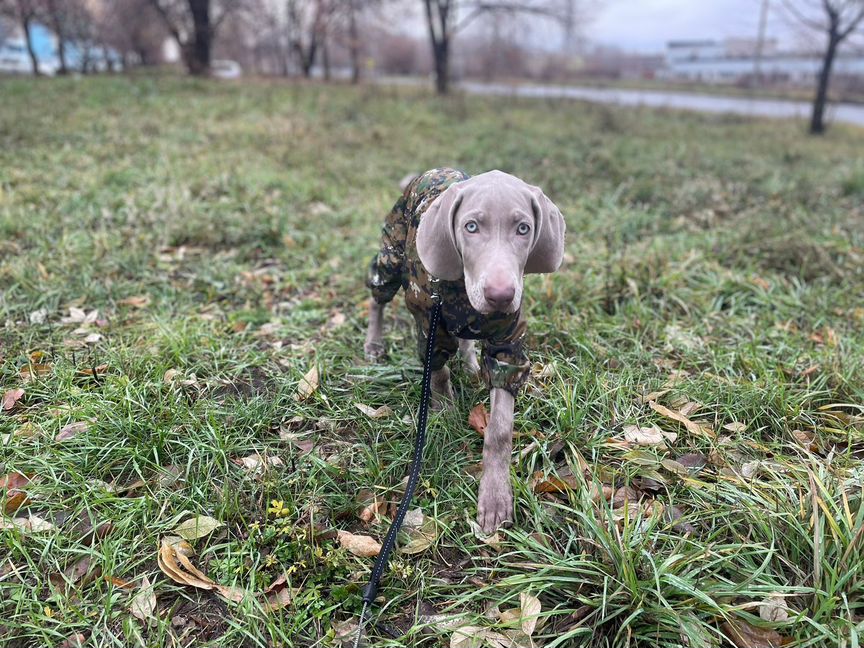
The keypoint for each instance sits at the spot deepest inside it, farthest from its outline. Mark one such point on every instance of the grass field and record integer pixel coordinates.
(175, 256)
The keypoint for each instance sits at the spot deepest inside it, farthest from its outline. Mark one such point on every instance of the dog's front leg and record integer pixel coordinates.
(495, 499)
(374, 345)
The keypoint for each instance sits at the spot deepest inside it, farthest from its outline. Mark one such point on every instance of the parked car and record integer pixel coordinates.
(225, 69)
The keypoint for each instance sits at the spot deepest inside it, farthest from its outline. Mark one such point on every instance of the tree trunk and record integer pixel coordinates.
(440, 41)
(325, 57)
(817, 121)
(441, 52)
(353, 34)
(200, 49)
(57, 24)
(28, 38)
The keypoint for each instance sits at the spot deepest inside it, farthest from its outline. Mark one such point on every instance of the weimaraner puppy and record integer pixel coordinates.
(478, 236)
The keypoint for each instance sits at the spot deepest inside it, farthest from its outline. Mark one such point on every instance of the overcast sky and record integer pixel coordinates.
(646, 25)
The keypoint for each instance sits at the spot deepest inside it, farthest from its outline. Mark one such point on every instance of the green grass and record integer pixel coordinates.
(712, 256)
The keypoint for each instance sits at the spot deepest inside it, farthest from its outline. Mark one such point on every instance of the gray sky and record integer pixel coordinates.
(646, 25)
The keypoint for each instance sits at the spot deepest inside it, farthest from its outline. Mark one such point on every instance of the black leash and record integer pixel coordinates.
(371, 590)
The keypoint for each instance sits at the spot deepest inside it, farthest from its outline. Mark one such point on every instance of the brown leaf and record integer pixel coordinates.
(13, 484)
(119, 582)
(744, 635)
(553, 483)
(359, 545)
(31, 372)
(139, 301)
(80, 572)
(374, 511)
(143, 604)
(692, 427)
(478, 418)
(308, 385)
(71, 431)
(11, 398)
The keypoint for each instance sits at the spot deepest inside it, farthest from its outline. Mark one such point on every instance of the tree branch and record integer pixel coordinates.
(800, 17)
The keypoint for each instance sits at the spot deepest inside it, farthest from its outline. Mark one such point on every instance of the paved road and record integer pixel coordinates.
(848, 113)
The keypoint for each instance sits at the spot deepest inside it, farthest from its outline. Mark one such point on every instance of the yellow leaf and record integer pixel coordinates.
(308, 385)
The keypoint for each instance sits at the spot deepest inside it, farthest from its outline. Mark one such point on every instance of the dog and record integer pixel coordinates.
(478, 236)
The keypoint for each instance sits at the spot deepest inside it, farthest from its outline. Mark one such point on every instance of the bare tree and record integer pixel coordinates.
(23, 12)
(445, 18)
(837, 19)
(131, 27)
(308, 22)
(194, 25)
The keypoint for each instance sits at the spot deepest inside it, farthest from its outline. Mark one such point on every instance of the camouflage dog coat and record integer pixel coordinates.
(397, 264)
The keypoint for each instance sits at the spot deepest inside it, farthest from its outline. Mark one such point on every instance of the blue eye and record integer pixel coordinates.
(471, 227)
(523, 228)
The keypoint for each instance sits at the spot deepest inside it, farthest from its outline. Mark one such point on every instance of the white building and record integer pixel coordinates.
(738, 60)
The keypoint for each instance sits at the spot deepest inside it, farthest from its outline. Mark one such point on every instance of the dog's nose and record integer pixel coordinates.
(499, 296)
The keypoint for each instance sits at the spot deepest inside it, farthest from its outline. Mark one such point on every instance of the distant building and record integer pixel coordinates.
(80, 55)
(738, 60)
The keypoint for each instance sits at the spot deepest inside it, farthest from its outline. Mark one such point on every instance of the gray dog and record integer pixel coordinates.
(478, 236)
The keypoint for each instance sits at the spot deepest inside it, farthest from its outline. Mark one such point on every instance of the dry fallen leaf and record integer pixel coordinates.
(139, 301)
(468, 637)
(421, 531)
(541, 483)
(31, 372)
(359, 545)
(173, 560)
(735, 426)
(255, 462)
(13, 484)
(197, 527)
(30, 524)
(76, 640)
(692, 427)
(72, 430)
(774, 609)
(10, 399)
(530, 610)
(478, 418)
(374, 412)
(374, 511)
(744, 635)
(493, 541)
(308, 385)
(144, 602)
(648, 435)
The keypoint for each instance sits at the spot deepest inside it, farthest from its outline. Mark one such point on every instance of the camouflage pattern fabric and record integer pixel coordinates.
(397, 264)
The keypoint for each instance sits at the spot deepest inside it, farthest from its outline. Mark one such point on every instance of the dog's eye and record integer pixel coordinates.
(471, 227)
(523, 228)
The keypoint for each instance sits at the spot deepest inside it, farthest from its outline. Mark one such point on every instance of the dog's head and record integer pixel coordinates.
(491, 229)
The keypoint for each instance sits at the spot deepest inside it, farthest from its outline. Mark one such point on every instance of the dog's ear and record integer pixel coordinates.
(436, 239)
(548, 249)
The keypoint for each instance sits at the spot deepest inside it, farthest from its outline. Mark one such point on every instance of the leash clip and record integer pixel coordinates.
(436, 295)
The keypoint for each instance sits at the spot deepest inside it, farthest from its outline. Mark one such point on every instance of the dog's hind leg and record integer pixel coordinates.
(468, 354)
(374, 346)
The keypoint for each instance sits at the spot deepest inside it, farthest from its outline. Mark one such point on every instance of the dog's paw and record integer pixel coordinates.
(494, 504)
(374, 351)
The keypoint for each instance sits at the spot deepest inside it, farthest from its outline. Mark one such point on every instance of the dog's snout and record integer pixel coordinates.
(499, 295)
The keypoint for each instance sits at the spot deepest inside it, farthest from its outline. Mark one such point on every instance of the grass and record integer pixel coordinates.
(221, 231)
